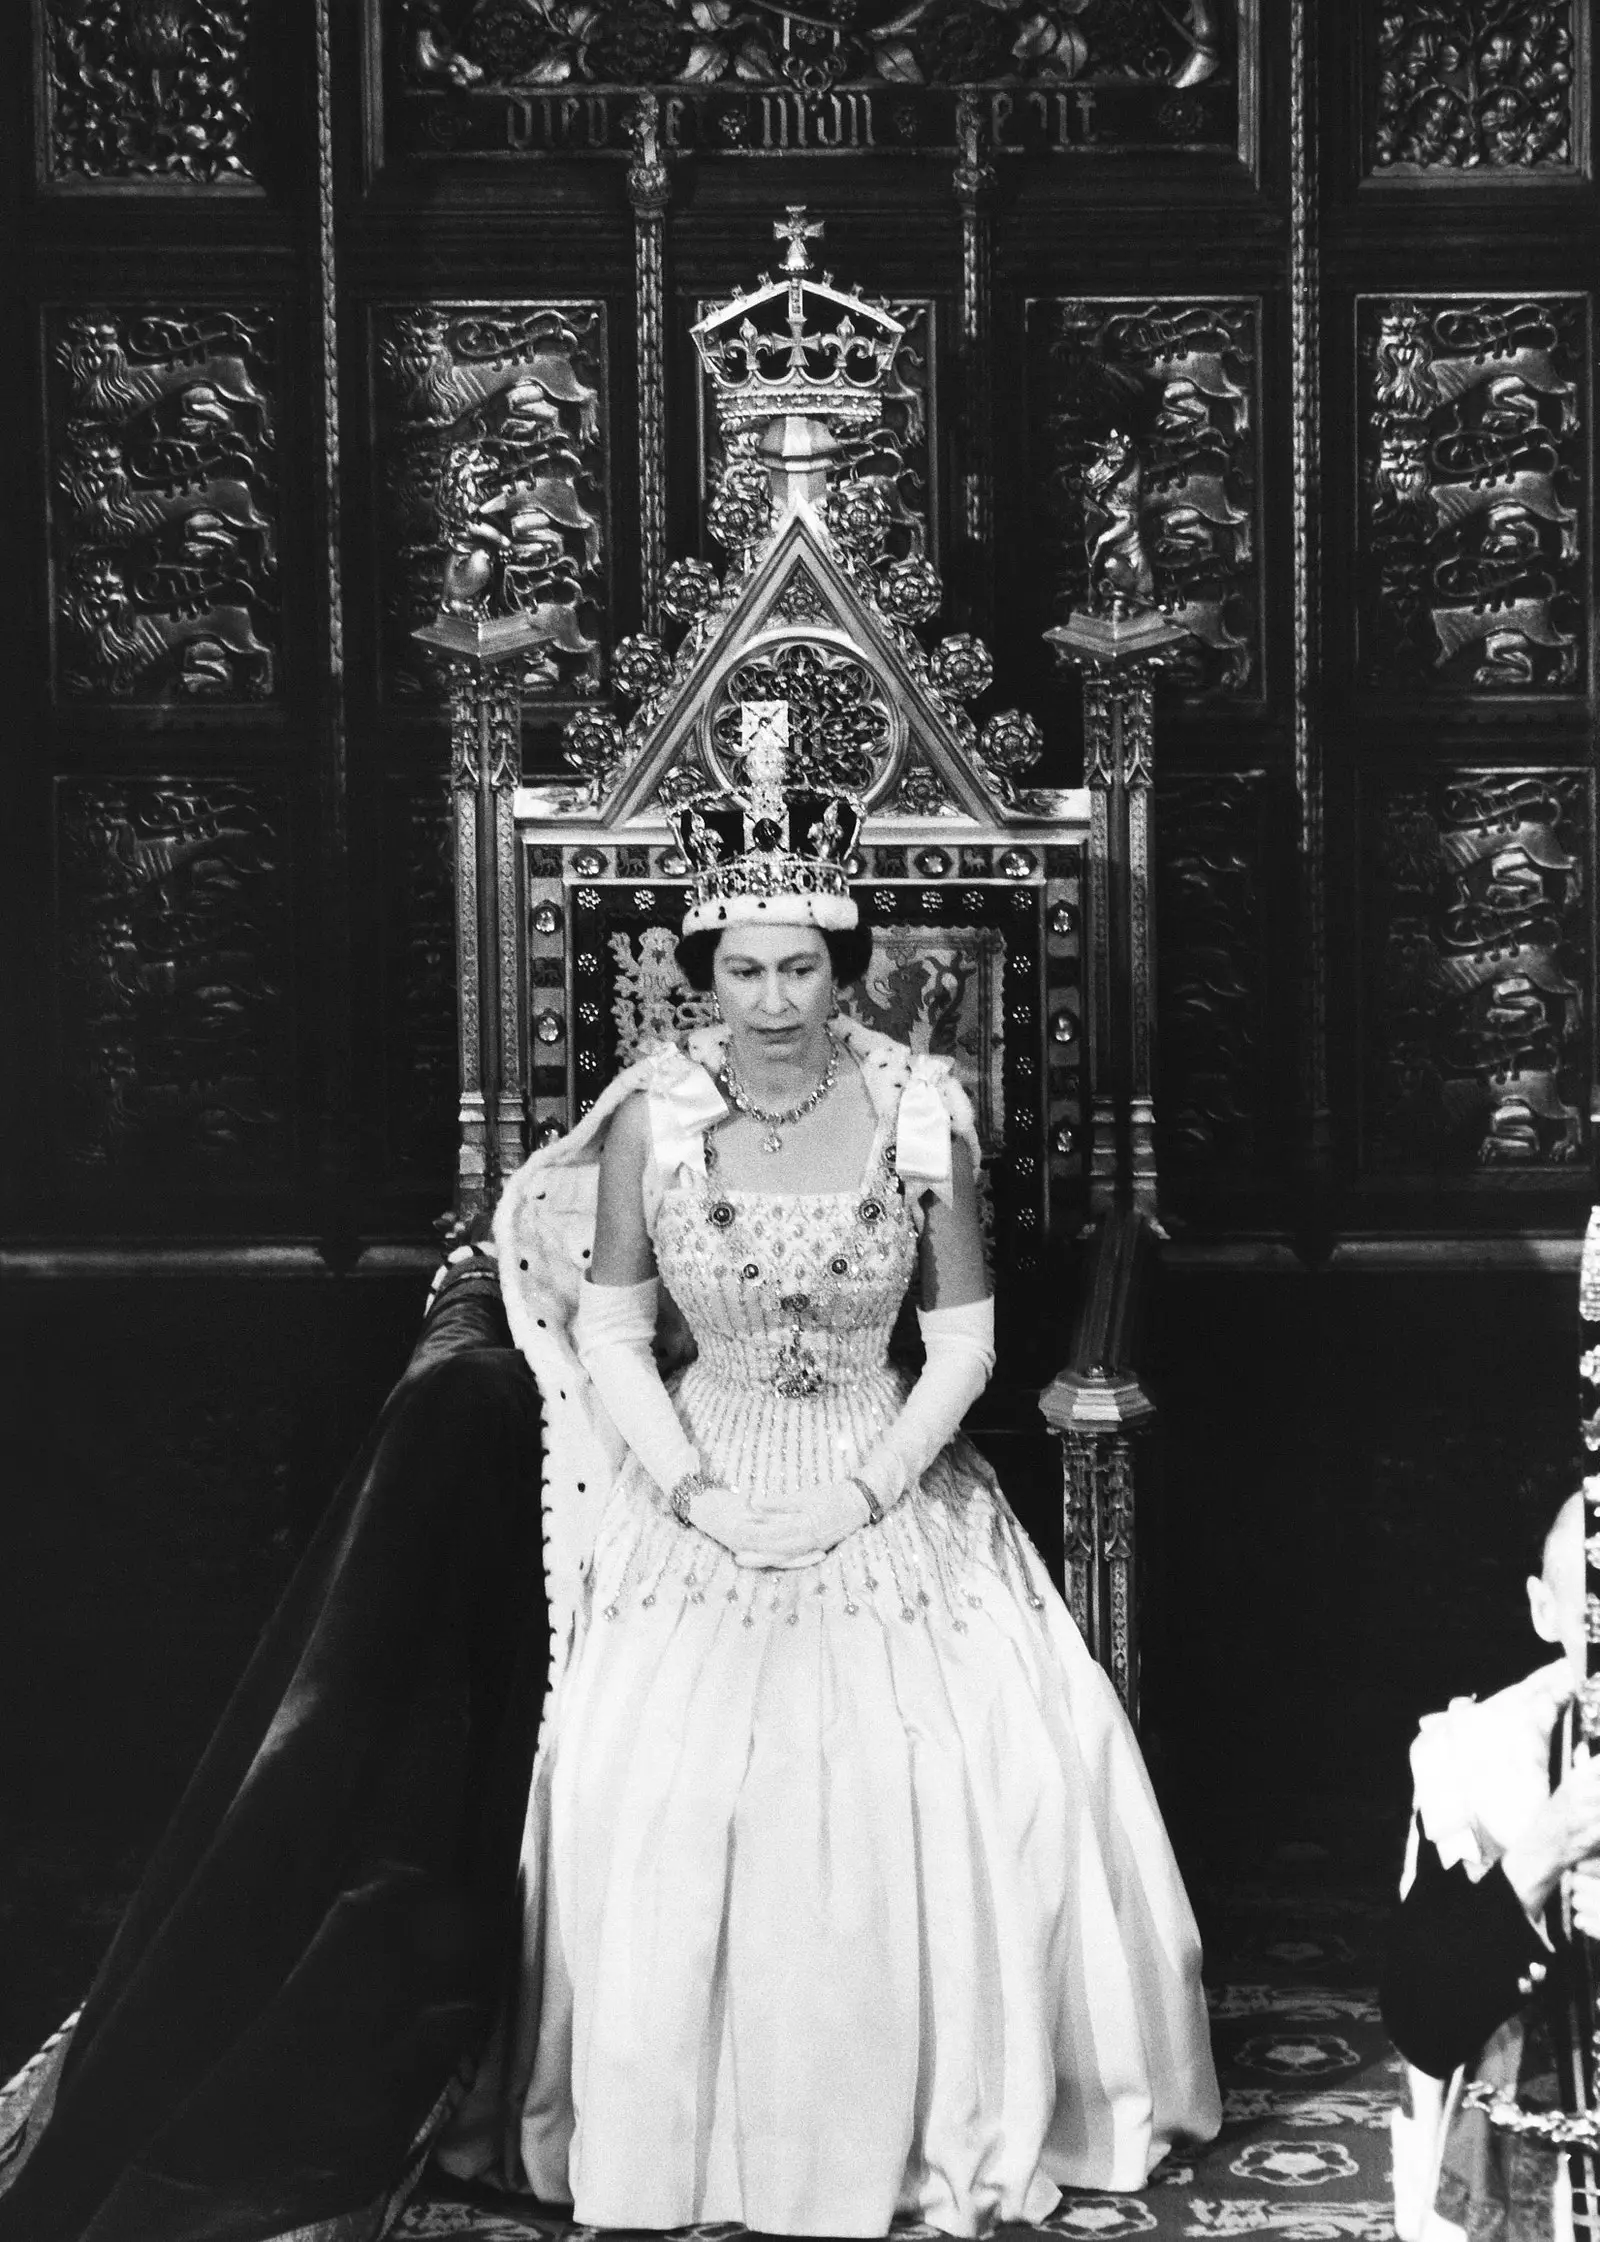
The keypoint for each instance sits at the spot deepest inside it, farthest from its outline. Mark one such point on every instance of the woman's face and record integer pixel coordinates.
(775, 986)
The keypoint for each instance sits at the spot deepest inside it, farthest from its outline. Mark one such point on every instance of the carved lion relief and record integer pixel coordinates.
(1476, 1028)
(490, 429)
(1474, 466)
(164, 505)
(1195, 367)
(176, 955)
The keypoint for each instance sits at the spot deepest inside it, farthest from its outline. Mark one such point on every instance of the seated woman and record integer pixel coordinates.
(843, 1890)
(846, 1894)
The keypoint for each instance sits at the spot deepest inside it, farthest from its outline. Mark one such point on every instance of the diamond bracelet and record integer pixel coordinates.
(683, 1492)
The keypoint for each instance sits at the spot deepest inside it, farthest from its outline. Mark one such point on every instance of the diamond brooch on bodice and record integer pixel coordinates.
(796, 1371)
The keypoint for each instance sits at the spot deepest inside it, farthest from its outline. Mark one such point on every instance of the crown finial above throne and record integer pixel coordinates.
(799, 345)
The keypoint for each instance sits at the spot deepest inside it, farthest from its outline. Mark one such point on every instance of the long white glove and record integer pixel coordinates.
(960, 1349)
(612, 1331)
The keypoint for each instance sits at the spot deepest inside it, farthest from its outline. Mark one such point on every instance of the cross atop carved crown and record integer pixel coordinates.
(797, 229)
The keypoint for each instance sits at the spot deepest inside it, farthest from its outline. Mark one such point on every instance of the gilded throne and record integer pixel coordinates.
(1012, 926)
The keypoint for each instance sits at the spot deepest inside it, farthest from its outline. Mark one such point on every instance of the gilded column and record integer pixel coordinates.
(1106, 1422)
(1137, 764)
(1100, 761)
(1306, 367)
(483, 659)
(974, 183)
(1119, 655)
(649, 191)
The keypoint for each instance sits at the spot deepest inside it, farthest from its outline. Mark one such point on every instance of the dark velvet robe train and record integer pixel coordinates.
(313, 1957)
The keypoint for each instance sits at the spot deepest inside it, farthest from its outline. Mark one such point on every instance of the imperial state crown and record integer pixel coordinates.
(768, 853)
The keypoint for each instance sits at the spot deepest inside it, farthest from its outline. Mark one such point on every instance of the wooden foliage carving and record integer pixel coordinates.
(1465, 86)
(491, 434)
(175, 959)
(153, 92)
(1474, 470)
(503, 76)
(1476, 1031)
(164, 505)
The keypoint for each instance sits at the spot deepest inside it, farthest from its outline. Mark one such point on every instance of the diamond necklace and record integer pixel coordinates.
(772, 1141)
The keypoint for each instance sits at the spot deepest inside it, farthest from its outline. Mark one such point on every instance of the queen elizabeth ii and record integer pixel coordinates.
(845, 1892)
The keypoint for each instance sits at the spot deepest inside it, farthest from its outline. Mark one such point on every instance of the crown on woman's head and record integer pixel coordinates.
(769, 854)
(798, 345)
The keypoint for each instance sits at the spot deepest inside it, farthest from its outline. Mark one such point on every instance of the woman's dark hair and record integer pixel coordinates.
(849, 951)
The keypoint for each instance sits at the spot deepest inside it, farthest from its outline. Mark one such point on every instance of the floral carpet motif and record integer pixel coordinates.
(1308, 2081)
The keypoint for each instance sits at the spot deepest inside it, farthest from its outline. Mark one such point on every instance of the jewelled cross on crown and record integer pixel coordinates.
(764, 743)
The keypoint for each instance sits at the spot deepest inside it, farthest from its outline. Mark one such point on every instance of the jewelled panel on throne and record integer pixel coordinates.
(981, 969)
(977, 969)
(935, 989)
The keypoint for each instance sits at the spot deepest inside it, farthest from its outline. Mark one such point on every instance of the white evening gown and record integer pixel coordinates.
(846, 1892)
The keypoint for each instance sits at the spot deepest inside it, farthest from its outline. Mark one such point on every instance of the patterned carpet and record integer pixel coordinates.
(1308, 2081)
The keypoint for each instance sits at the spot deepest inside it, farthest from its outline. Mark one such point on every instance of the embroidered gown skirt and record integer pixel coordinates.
(846, 1891)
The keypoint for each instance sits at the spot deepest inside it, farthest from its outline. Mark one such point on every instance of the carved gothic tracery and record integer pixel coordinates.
(1191, 369)
(838, 721)
(176, 950)
(1475, 461)
(1478, 1043)
(157, 91)
(164, 506)
(491, 436)
(1212, 982)
(1469, 85)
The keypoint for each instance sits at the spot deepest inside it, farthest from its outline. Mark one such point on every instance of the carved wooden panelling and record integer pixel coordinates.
(1475, 1030)
(1198, 361)
(1212, 979)
(420, 1061)
(176, 950)
(497, 75)
(897, 457)
(1474, 475)
(164, 505)
(154, 92)
(1457, 88)
(491, 434)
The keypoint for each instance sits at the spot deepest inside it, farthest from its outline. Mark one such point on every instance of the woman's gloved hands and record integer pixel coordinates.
(786, 1534)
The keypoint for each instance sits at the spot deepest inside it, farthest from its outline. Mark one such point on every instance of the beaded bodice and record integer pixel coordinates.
(792, 1291)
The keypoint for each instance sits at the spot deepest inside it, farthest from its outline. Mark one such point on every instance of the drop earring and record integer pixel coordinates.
(716, 1006)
